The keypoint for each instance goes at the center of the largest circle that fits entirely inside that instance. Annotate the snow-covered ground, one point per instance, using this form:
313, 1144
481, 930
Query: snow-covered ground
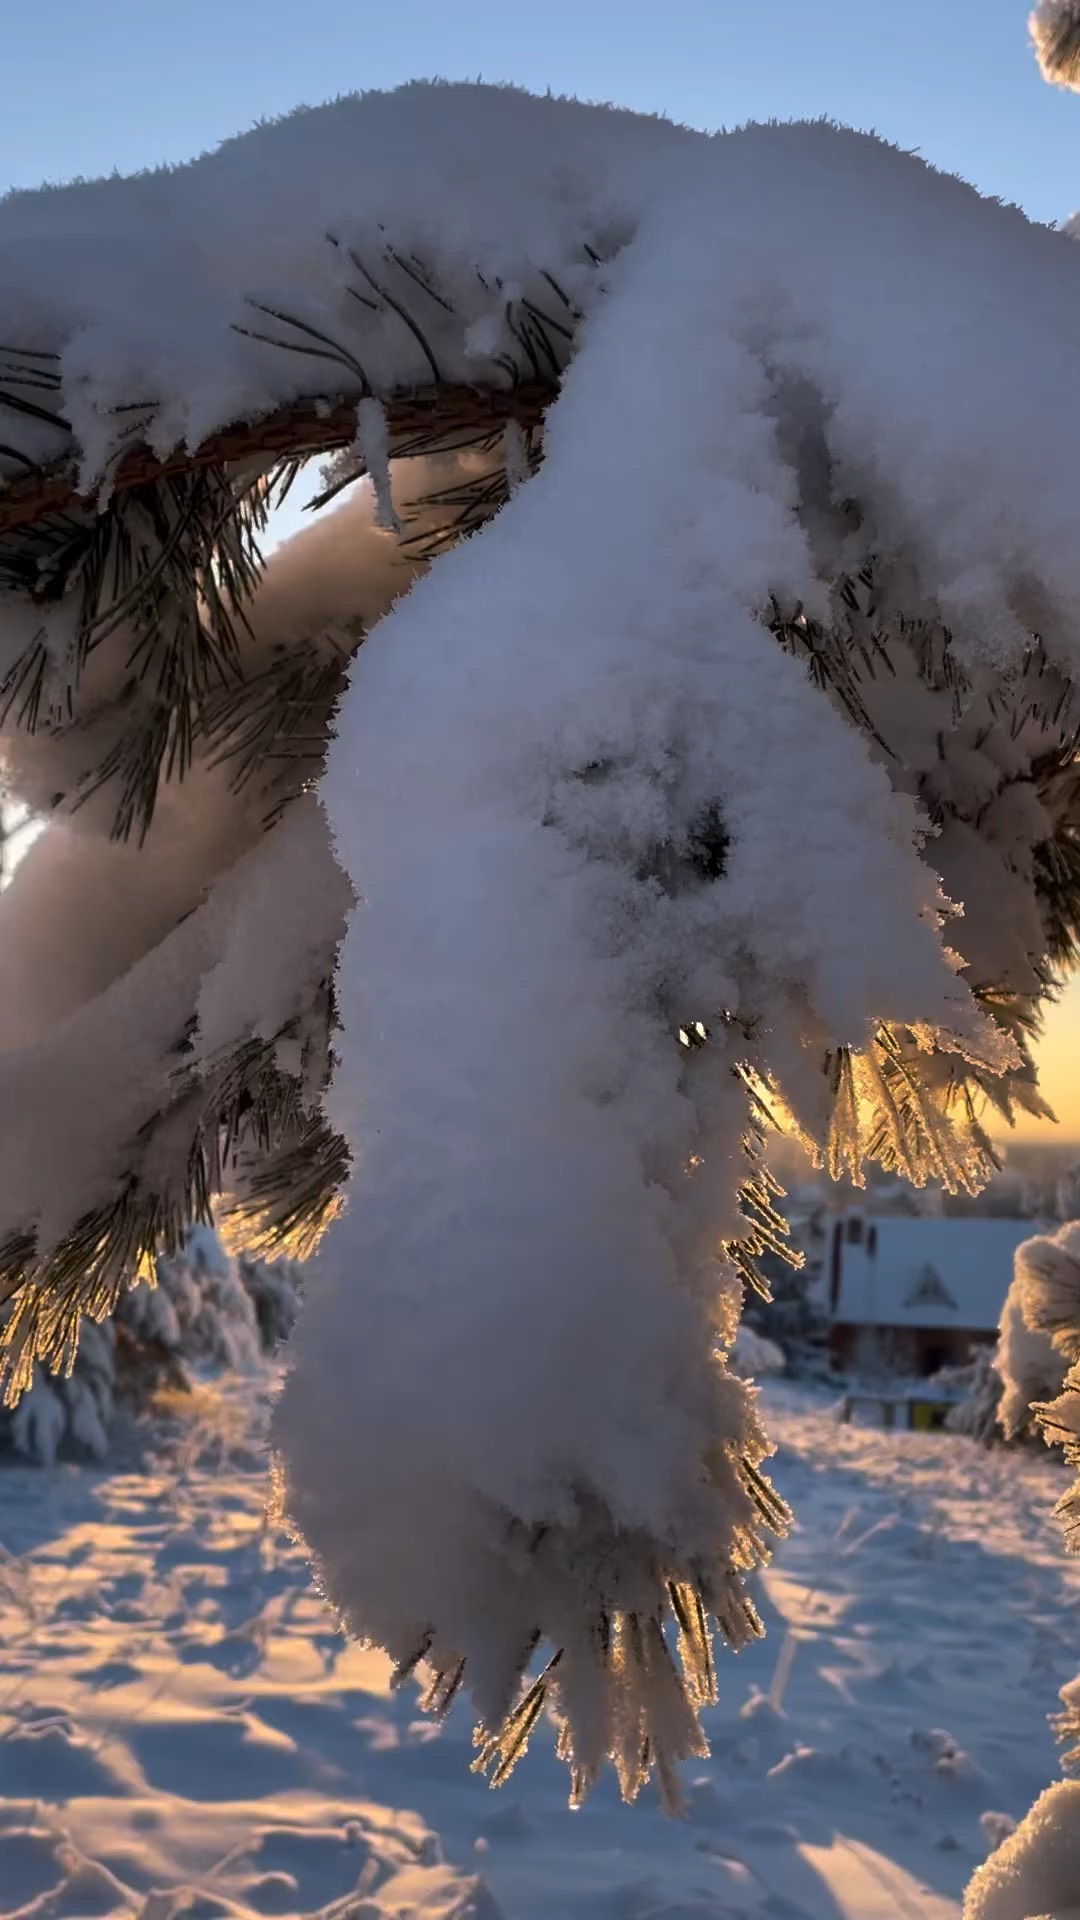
183, 1733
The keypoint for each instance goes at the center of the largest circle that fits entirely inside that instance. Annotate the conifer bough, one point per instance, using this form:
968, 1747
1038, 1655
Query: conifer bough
583, 798
292, 433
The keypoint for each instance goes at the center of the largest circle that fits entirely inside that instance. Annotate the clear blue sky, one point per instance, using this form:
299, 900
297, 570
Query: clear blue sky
93, 85
89, 85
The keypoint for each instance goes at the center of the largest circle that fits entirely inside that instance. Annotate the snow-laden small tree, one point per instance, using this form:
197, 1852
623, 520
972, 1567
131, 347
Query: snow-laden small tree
792, 1316
1037, 1870
1046, 1297
603, 782
977, 1385
204, 1314
1004, 1387
1028, 1365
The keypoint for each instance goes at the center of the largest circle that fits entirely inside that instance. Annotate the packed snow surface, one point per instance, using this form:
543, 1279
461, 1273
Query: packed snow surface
184, 1733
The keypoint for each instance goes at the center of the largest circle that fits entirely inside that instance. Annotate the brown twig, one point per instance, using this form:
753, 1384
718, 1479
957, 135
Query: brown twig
307, 427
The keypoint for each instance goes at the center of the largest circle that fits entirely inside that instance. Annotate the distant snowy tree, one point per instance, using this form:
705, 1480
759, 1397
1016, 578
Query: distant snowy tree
1067, 1195
977, 1386
601, 785
204, 1314
790, 1316
1009, 1194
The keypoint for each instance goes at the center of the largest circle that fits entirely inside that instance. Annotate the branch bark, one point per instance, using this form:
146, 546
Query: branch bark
307, 427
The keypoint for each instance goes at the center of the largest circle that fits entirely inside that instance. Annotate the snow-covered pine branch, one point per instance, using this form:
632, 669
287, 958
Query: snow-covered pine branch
647, 813
288, 434
1055, 30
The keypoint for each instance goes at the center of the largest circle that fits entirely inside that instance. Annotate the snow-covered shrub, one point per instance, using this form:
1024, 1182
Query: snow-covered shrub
68, 1412
792, 1317
273, 1286
1027, 1364
205, 1314
977, 1385
753, 1357
216, 1320
1047, 1289
1000, 1386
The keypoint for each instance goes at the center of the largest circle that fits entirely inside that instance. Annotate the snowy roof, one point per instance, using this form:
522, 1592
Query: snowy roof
905, 1272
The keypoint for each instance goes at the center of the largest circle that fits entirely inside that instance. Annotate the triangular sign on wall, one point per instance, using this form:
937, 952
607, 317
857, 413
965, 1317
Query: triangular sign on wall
930, 1290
